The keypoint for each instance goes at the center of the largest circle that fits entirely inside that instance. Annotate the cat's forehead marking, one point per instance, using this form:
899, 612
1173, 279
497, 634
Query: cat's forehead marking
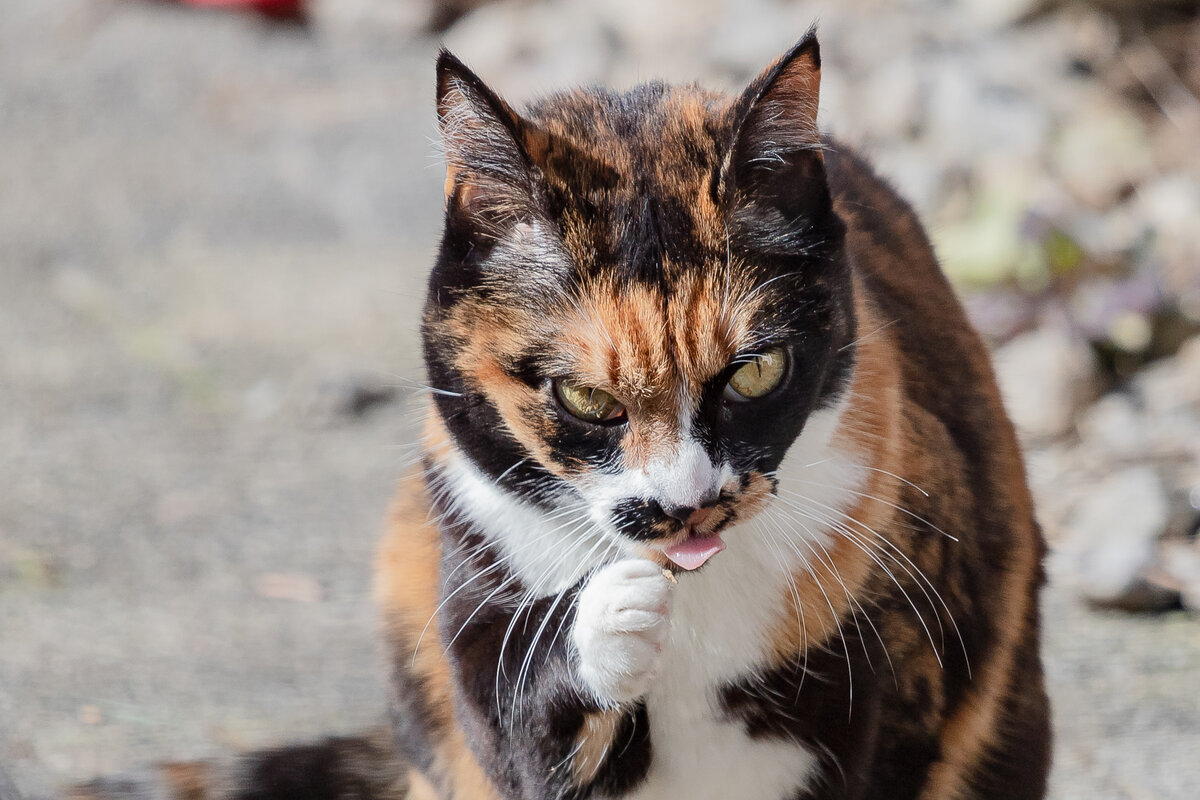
634, 171
656, 353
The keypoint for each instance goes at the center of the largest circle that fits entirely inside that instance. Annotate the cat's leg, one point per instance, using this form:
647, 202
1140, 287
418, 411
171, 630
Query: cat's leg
549, 689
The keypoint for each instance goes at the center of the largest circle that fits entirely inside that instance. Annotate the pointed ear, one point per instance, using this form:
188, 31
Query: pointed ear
489, 172
775, 159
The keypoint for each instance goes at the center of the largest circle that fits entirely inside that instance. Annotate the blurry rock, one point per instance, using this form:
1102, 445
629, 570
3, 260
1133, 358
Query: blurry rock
1101, 152
1113, 234
1174, 383
351, 395
986, 247
1113, 426
1181, 570
890, 102
1111, 545
1104, 309
1000, 314
1170, 206
262, 400
1046, 376
1128, 8
739, 49
280, 10
517, 46
1172, 203
444, 13
1058, 478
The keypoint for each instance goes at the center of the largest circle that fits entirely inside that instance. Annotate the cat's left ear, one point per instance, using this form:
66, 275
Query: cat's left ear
775, 159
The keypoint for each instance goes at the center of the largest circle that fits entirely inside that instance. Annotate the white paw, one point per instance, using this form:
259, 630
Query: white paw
621, 622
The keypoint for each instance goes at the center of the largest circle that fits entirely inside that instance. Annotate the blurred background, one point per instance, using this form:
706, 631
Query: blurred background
215, 225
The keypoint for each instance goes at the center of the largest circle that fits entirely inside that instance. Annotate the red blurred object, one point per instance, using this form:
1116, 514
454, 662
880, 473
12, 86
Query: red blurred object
276, 9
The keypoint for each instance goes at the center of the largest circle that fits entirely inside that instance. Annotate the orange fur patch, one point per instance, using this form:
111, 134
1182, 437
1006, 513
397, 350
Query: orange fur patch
406, 587
189, 781
868, 429
593, 743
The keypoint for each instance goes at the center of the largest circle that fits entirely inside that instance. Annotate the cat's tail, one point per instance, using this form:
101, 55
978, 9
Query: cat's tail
363, 767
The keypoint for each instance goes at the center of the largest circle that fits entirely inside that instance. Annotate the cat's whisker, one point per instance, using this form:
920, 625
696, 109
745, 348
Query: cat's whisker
876, 498
795, 593
523, 672
870, 468
405, 382
868, 336
855, 606
831, 523
920, 579
528, 597
602, 560
527, 608
823, 518
834, 615
498, 563
832, 510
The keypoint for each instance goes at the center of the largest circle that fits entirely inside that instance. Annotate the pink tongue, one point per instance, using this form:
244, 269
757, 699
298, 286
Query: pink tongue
693, 551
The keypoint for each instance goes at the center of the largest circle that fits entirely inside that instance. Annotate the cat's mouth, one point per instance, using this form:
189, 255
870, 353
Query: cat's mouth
701, 537
693, 551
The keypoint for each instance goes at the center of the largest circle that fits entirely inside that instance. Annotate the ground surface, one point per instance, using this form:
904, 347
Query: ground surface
210, 233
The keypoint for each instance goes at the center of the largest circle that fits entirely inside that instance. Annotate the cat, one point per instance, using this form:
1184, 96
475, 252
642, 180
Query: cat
718, 498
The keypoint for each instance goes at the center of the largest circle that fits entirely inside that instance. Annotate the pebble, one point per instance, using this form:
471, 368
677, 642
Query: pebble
1181, 571
1111, 542
1174, 384
1102, 132
1046, 376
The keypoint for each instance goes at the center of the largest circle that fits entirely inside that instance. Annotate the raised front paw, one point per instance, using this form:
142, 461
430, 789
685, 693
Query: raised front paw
620, 625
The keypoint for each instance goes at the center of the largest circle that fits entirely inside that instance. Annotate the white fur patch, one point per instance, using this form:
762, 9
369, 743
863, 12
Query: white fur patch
720, 620
547, 551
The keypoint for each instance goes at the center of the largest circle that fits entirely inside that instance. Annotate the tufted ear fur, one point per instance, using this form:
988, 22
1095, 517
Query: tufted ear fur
773, 176
490, 175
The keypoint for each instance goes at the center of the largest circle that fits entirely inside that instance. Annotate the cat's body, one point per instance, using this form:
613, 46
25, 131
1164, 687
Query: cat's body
871, 628
665, 323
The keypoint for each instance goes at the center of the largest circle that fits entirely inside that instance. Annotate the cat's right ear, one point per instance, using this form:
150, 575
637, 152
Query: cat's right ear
489, 174
773, 176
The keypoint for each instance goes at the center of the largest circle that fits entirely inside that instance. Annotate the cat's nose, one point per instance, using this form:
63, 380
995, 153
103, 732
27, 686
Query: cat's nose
689, 515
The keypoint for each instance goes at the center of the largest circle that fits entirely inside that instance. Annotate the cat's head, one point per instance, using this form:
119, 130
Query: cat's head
641, 298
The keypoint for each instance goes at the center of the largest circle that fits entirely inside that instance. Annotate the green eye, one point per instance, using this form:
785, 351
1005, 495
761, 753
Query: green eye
588, 403
758, 376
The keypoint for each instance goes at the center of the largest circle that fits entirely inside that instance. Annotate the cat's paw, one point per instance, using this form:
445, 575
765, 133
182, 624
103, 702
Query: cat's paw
621, 621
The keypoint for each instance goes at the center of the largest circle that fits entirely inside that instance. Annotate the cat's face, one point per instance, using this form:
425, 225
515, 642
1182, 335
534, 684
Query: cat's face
640, 299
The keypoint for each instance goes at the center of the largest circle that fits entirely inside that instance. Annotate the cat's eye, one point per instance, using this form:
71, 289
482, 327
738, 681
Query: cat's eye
588, 403
758, 376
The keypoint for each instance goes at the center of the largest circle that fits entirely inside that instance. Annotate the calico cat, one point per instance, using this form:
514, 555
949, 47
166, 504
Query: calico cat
718, 497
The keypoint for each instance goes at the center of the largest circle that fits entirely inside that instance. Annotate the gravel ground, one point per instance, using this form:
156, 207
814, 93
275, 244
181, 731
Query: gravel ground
212, 235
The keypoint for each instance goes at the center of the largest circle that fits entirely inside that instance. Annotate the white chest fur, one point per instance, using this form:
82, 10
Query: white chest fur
720, 622
719, 634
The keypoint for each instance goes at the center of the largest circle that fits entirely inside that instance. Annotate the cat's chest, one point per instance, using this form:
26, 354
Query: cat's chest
721, 629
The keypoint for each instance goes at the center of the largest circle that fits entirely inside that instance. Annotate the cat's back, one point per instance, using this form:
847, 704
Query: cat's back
959, 445
944, 365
